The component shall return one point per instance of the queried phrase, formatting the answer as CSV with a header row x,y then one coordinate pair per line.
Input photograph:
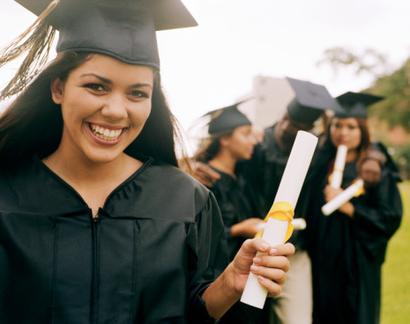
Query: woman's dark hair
x,y
32,124
364,138
210,147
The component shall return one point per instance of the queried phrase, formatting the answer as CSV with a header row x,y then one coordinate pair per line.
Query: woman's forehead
x,y
112,69
348,120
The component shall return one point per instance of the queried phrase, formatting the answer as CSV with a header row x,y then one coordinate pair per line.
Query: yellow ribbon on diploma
x,y
360,191
283,211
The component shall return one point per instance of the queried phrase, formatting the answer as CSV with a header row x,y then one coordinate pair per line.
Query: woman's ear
x,y
57,91
224,140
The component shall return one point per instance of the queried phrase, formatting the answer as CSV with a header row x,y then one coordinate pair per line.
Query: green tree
x,y
395,109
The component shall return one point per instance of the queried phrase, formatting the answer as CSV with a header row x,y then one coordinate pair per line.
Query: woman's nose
x,y
344,131
115,108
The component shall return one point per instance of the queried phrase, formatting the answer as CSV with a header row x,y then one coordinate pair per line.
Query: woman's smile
x,y
107,135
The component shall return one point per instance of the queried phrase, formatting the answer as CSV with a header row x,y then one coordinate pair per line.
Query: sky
x,y
212,65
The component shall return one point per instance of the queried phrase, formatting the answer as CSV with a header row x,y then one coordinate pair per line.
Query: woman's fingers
x,y
273,288
270,264
204,174
252,246
273,274
277,262
286,249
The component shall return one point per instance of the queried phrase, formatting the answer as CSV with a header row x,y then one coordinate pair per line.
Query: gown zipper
x,y
95,271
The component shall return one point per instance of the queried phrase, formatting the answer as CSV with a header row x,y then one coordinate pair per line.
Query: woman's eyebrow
x,y
105,80
108,81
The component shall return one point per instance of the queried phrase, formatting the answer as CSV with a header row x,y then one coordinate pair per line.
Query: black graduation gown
x,y
347,253
147,259
235,207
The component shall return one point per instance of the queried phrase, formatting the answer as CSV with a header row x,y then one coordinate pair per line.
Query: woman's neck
x,y
351,155
80,171
225,162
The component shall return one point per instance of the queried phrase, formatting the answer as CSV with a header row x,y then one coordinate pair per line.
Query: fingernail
x,y
257,260
265,246
273,251
260,278
254,267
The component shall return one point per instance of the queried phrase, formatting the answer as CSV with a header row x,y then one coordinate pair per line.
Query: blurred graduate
x,y
262,174
348,247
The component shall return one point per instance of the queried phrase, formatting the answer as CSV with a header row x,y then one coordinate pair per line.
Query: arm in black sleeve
x,y
378,215
206,240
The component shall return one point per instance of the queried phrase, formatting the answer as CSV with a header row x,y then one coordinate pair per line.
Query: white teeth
x,y
105,133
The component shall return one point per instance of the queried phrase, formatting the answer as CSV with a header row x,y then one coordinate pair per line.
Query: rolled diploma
x,y
339,166
342,198
289,189
298,224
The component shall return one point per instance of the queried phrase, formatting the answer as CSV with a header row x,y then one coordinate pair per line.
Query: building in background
x,y
271,96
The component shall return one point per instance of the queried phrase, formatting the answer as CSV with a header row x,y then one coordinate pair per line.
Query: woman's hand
x,y
371,172
247,228
270,265
204,174
331,192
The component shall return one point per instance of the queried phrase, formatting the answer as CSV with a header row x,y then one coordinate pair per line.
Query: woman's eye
x,y
139,94
95,87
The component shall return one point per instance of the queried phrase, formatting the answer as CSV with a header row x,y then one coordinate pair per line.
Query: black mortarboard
x,y
226,119
310,101
124,29
355,104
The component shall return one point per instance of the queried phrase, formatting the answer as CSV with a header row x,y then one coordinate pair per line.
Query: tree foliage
x,y
394,86
367,61
395,109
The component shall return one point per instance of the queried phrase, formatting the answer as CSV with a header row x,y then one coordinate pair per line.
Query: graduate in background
x,y
97,223
231,139
263,173
348,247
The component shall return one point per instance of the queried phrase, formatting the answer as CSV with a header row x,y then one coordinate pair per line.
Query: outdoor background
x,y
349,45
396,271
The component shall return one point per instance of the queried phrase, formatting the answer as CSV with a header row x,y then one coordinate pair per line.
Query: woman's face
x,y
345,131
240,143
105,104
288,129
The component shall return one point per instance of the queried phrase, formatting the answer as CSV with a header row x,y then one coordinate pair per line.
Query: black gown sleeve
x,y
207,244
225,206
378,215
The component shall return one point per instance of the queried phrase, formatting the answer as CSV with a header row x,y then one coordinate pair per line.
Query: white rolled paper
x,y
342,198
298,224
289,189
340,161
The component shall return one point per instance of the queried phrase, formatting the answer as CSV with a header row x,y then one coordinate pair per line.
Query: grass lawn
x,y
396,270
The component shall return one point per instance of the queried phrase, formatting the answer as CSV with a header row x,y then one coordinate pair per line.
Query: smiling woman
x,y
348,247
97,223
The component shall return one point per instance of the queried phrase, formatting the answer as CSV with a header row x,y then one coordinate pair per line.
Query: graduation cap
x,y
226,119
310,101
123,29
355,104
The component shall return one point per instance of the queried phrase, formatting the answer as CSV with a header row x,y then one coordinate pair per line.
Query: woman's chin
x,y
102,156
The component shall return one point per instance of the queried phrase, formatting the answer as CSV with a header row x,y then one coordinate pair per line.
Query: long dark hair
x,y
32,124
209,147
